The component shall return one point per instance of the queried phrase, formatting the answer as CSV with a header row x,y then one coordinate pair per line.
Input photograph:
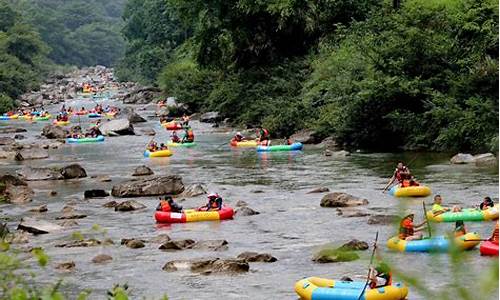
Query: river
x,y
290,226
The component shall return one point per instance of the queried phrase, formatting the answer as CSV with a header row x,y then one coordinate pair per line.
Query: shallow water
x,y
291,224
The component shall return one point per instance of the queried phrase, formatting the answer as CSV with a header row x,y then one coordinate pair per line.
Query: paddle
x,y
369,267
427,220
478,240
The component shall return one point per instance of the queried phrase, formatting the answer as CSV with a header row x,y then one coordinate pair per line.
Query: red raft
x,y
192,215
489,248
172,125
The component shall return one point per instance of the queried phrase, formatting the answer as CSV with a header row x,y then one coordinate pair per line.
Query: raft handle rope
x,y
369,267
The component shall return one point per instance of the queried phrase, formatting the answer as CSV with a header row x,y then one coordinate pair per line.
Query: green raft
x,y
466,214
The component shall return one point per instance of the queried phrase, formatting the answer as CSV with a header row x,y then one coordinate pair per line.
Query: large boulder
x,y
73,171
15,190
341,200
209,266
132,116
485,160
305,136
117,127
54,132
462,158
194,190
151,186
31,153
129,205
37,226
142,95
256,257
210,117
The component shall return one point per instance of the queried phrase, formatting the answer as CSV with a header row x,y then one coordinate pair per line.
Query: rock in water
x,y
485,160
328,255
319,190
142,171
39,209
305,136
133,243
4,140
37,226
66,266
118,126
32,153
151,186
194,190
341,200
15,190
210,266
73,171
462,158
256,257
101,258
31,174
210,117
177,244
133,117
54,132
129,205
354,245
95,194
245,211
212,245
10,129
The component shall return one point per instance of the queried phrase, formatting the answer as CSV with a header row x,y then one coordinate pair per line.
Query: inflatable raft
x,y
488,248
315,288
94,115
100,138
292,147
159,153
192,215
467,214
410,191
172,125
80,113
60,123
44,118
7,117
434,244
251,143
172,144
110,114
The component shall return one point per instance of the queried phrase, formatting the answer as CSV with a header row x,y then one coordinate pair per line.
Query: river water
x,y
290,226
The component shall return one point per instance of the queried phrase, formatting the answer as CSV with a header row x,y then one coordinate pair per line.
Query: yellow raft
x,y
410,191
61,123
315,288
250,143
159,153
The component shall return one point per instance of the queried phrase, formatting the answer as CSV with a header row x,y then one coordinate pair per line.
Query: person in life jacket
x,y
487,203
152,146
408,231
174,137
381,271
168,205
402,175
437,209
214,202
460,229
188,136
238,137
494,236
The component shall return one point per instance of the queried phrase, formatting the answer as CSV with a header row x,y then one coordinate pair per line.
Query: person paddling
x,y
408,231
402,174
383,272
214,202
168,205
263,136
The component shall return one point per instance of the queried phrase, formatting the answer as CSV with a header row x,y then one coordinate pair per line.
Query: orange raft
x,y
192,215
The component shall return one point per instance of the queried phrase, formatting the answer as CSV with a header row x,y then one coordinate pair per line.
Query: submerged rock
x,y
142,171
95,194
102,258
151,186
319,190
342,200
208,266
245,211
129,205
35,226
256,257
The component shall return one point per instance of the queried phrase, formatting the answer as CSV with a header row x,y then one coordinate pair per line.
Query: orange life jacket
x,y
405,229
190,135
165,206
494,238
399,174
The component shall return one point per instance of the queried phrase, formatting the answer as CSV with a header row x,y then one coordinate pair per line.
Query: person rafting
x,y
63,108
263,136
487,203
403,176
94,131
152,146
174,137
438,209
460,229
288,141
163,146
381,271
188,135
408,231
185,120
494,235
214,202
238,137
167,204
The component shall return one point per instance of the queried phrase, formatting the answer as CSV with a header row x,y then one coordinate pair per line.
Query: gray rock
x,y
383,219
102,258
305,136
4,140
241,203
142,171
39,209
330,144
80,243
54,132
354,245
208,266
15,190
66,266
319,190
151,186
117,126
142,95
32,153
95,194
68,223
256,257
149,131
110,204
133,243
35,226
19,137
31,174
194,190
211,245
129,205
462,158
134,117
73,171
210,117
11,129
177,244
485,160
245,211
341,200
